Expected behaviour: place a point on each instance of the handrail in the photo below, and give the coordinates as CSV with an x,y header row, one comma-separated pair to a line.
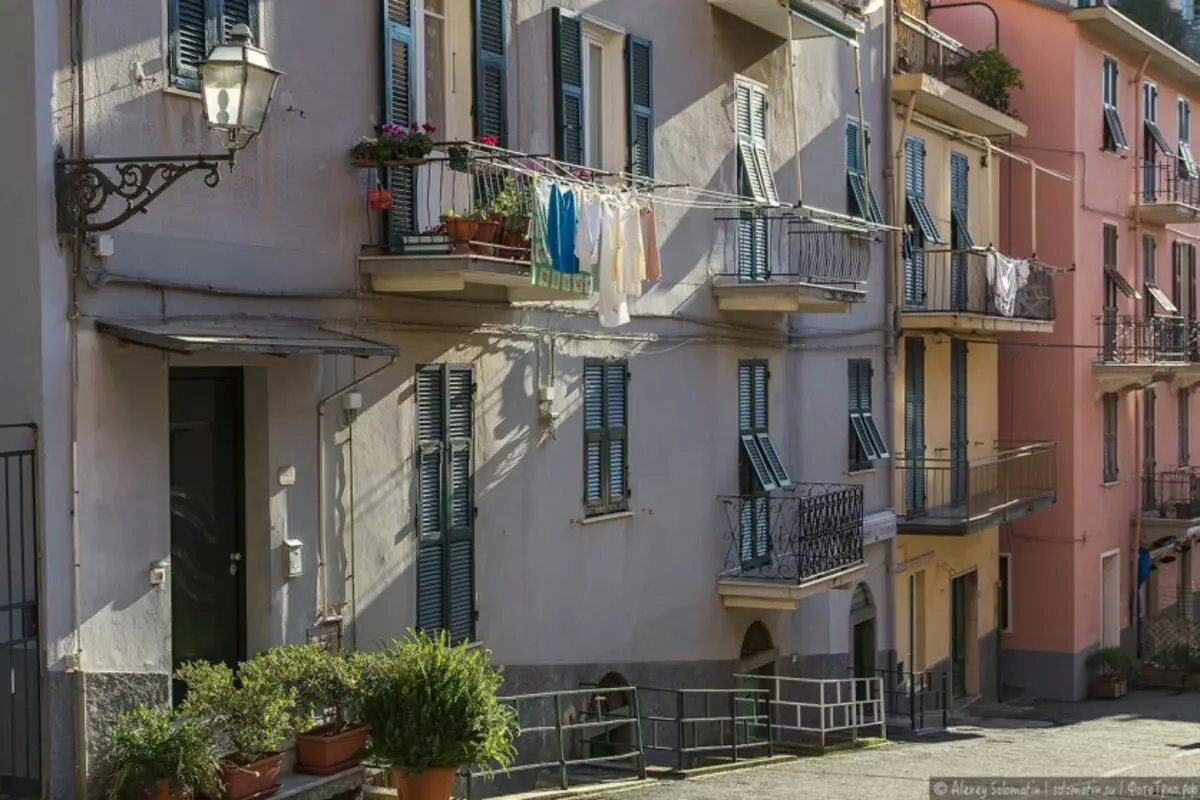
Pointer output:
x,y
923,27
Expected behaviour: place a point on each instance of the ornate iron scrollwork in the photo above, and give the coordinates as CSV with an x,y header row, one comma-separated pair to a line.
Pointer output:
x,y
84,189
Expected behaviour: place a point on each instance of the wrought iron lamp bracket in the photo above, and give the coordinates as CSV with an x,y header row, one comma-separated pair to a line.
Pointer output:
x,y
83,188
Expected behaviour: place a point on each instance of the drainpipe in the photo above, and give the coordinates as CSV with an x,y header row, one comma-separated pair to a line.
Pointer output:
x,y
889,314
863,148
1139,135
323,609
793,88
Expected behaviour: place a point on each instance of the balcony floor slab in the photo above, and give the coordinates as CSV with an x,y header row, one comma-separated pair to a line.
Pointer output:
x,y
943,102
954,520
781,595
972,323
784,297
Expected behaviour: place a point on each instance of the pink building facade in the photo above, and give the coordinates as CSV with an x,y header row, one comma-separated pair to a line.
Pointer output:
x,y
1115,384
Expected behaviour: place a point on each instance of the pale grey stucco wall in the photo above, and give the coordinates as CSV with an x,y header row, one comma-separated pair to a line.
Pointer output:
x,y
559,601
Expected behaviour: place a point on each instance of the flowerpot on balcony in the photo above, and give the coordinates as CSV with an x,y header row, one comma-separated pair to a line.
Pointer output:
x,y
516,245
486,235
253,781
434,783
391,163
1109,687
323,752
462,231
1183,510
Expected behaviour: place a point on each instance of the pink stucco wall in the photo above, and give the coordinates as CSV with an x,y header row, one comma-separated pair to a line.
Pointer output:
x,y
1046,387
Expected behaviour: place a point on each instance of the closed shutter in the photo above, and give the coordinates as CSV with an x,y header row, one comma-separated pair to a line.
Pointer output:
x,y
568,86
239,12
1177,277
189,41
491,70
914,254
754,540
1185,414
914,424
616,408
606,436
639,88
750,120
958,421
593,432
961,235
1190,257
446,500
398,50
1110,463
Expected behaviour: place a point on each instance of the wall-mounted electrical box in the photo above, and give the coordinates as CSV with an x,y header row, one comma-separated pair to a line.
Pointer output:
x,y
293,551
287,476
158,571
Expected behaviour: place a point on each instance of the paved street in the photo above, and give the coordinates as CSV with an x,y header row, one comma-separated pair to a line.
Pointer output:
x,y
1146,734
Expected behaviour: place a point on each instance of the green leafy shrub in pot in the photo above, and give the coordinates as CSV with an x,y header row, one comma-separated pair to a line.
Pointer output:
x,y
434,707
152,753
990,77
320,679
1111,661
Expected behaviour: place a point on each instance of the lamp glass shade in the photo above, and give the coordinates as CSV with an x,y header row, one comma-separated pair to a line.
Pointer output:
x,y
237,83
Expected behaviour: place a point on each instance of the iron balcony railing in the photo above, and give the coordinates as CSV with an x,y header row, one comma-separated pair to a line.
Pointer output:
x,y
767,244
922,48
797,535
971,282
1172,493
1166,181
1126,339
979,492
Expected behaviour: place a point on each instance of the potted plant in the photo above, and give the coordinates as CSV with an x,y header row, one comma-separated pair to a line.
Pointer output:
x,y
989,77
461,228
433,709
151,753
395,145
251,717
327,742
1110,667
487,230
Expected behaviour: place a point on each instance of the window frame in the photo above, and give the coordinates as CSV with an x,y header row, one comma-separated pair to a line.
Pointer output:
x,y
1004,615
1154,135
754,153
867,444
1110,437
1114,139
212,9
1189,170
605,435
917,208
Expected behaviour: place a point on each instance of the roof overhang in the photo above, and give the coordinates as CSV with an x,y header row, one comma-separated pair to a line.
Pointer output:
x,y
809,19
242,335
1116,29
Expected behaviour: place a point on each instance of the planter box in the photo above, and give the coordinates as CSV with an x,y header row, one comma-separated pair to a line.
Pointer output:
x,y
1163,678
319,753
390,164
1109,687
253,781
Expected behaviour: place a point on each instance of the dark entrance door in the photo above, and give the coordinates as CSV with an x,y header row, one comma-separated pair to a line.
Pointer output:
x,y
958,636
864,656
207,575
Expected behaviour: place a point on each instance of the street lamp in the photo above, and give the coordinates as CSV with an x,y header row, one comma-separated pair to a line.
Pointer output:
x,y
237,83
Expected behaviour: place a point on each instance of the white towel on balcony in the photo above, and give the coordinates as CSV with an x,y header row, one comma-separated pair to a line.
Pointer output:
x,y
1006,276
613,306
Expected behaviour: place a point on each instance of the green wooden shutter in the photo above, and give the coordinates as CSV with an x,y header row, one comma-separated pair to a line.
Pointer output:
x,y
639,89
914,254
745,397
759,407
960,235
243,12
854,171
855,394
430,515
754,524
750,109
568,86
460,502
593,437
616,423
491,70
188,44
1177,277
1191,281
914,424
958,421
398,49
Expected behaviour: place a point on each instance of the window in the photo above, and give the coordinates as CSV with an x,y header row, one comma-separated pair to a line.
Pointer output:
x,y
195,27
754,163
1183,278
862,201
1114,133
1185,425
1149,435
434,46
866,442
490,101
445,399
1154,135
1188,169
1004,610
760,469
606,437
1110,404
603,95
914,189
1113,272
1156,298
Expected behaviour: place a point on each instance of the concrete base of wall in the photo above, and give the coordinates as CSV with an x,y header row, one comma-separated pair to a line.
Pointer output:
x,y
109,695
1055,675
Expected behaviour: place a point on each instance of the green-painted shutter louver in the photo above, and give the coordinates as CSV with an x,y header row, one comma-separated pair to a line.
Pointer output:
x,y
491,70
639,80
568,80
398,49
431,585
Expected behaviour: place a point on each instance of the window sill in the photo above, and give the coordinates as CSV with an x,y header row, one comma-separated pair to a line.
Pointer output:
x,y
1110,484
1117,154
175,91
856,471
616,515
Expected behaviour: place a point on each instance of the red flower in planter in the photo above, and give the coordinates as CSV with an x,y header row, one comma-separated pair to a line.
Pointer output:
x,y
488,141
379,199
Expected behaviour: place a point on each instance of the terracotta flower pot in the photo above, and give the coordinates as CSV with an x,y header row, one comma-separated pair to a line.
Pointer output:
x,y
435,783
462,231
164,791
253,781
486,234
320,753
1108,686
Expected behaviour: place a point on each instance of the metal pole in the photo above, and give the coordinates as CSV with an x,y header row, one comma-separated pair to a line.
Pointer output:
x,y
681,731
733,719
637,733
562,750
770,725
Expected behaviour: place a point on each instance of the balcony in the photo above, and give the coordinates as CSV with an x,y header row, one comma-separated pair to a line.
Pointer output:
x,y
437,232
789,544
779,262
931,73
1170,505
810,19
975,291
1135,352
954,497
1168,196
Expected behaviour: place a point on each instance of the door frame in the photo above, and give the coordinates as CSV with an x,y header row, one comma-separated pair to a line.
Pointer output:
x,y
237,376
1115,555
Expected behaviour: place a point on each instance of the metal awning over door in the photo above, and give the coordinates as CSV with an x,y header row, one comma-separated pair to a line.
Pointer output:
x,y
243,335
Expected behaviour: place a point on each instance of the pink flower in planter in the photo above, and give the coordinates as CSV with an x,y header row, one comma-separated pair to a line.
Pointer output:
x,y
488,141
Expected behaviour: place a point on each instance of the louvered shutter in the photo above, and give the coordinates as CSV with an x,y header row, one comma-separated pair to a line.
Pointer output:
x,y
754,526
750,123
958,421
568,91
859,206
189,38
959,194
593,433
239,12
491,70
460,502
639,89
914,424
431,417
855,379
398,52
1177,285
745,397
914,254
616,423
1191,281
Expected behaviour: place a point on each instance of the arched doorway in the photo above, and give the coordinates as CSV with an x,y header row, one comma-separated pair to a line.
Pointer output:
x,y
862,632
609,705
756,663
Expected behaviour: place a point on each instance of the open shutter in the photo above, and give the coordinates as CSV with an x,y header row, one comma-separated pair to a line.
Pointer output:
x,y
639,88
568,86
914,254
431,415
1177,277
460,502
752,227
914,424
960,234
859,206
398,53
189,41
239,12
491,71
958,421
616,423
593,437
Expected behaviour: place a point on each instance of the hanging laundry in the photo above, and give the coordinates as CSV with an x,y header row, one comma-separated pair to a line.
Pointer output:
x,y
613,307
633,256
587,234
547,251
1005,277
561,220
650,245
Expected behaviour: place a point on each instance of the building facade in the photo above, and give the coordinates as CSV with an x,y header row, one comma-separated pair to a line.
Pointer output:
x,y
283,406
1110,565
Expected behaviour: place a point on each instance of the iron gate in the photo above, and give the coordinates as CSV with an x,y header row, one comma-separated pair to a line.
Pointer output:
x,y
20,659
